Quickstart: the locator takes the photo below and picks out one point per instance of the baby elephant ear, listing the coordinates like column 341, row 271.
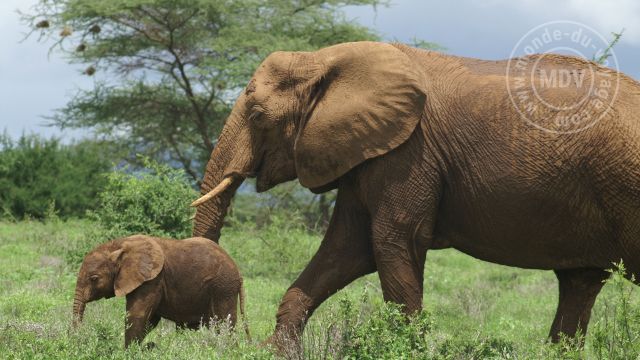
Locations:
column 141, row 259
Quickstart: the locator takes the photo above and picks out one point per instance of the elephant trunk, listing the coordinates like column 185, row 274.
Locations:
column 232, row 160
column 79, row 305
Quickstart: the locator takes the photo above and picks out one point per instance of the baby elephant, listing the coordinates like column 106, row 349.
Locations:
column 190, row 282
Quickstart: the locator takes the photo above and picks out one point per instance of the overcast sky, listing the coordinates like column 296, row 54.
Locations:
column 33, row 85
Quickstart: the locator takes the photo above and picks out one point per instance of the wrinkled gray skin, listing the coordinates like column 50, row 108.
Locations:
column 189, row 281
column 428, row 152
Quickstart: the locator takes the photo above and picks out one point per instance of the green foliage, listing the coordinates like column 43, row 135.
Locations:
column 70, row 245
column 174, row 66
column 426, row 45
column 603, row 57
column 513, row 307
column 617, row 334
column 385, row 333
column 475, row 348
column 288, row 200
column 169, row 70
column 284, row 246
column 154, row 202
column 40, row 177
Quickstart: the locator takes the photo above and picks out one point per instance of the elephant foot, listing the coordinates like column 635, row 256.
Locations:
column 150, row 346
column 284, row 345
column 292, row 314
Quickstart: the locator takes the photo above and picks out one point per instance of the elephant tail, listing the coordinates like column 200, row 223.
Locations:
column 245, row 324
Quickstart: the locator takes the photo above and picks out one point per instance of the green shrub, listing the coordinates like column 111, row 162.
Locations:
column 616, row 334
column 40, row 176
column 480, row 347
column 154, row 202
column 356, row 329
column 385, row 333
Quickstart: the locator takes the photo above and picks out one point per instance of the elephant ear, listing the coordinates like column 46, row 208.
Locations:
column 140, row 259
column 369, row 97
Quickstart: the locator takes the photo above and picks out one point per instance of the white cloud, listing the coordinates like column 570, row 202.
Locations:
column 604, row 16
column 610, row 16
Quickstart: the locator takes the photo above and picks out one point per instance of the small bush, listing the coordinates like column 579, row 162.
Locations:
column 354, row 330
column 616, row 335
column 154, row 202
column 386, row 333
column 479, row 347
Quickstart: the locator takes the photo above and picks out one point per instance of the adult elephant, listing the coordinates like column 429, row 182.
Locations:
column 428, row 151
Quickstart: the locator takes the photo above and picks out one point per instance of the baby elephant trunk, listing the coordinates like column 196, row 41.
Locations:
column 78, row 309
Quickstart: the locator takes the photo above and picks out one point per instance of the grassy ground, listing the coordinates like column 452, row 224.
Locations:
column 474, row 309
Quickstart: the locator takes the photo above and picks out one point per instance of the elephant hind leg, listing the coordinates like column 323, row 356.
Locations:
column 402, row 232
column 188, row 325
column 578, row 291
column 400, row 259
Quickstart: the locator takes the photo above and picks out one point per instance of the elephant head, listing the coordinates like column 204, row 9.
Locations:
column 116, row 269
column 312, row 116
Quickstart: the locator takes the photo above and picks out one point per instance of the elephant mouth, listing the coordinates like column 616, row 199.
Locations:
column 262, row 182
column 257, row 171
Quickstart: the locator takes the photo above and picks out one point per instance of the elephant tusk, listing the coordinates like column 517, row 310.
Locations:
column 213, row 193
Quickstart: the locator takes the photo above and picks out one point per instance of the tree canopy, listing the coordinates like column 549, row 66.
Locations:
column 167, row 71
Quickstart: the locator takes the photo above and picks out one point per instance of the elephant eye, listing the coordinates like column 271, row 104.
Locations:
column 257, row 108
column 256, row 113
column 254, row 116
column 94, row 277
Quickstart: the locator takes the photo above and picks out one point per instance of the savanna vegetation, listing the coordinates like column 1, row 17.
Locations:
column 167, row 72
column 39, row 176
column 473, row 309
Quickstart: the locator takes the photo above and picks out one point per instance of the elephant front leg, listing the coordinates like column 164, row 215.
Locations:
column 344, row 255
column 141, row 316
column 137, row 327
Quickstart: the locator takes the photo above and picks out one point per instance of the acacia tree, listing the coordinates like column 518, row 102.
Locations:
column 167, row 71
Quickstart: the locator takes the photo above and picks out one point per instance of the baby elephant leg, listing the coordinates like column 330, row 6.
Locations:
column 138, row 325
column 141, row 312
column 225, row 309
column 153, row 322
